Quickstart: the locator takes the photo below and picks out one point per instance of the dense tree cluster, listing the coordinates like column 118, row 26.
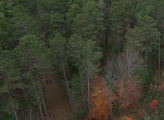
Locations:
column 121, row 41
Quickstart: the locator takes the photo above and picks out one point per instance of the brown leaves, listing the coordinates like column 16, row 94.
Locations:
column 161, row 87
column 100, row 100
column 129, row 91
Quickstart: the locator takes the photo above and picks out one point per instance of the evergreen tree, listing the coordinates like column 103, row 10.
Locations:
column 10, row 83
column 90, row 63
column 31, row 57
column 57, row 24
column 73, row 10
column 150, row 35
column 75, row 46
column 6, row 28
column 58, row 46
column 89, row 24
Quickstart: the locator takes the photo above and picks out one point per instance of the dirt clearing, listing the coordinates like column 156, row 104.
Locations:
column 58, row 107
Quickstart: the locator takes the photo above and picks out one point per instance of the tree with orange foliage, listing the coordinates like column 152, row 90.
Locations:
column 129, row 118
column 100, row 100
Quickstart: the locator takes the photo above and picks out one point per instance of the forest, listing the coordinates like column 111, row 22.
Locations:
column 106, row 55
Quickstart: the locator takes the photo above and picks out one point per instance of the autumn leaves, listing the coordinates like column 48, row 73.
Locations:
column 100, row 98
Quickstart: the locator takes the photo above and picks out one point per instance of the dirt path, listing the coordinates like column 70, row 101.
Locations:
column 57, row 106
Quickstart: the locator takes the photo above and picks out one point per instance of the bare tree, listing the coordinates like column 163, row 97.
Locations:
column 125, row 65
column 109, row 77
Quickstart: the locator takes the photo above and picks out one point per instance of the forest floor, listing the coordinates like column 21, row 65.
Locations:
column 56, row 101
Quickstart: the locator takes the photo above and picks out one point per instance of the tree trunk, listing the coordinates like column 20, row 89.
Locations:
column 43, row 100
column 141, row 49
column 67, row 67
column 123, row 29
column 118, row 43
column 159, row 56
column 40, row 108
column 110, row 105
column 74, row 104
column 88, row 97
column 82, row 89
column 28, row 103
column 67, row 85
column 16, row 117
column 146, row 56
column 123, row 96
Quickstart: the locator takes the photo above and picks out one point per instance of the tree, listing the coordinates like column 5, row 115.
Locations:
column 149, row 35
column 44, row 27
column 121, row 16
column 23, row 23
column 90, row 63
column 74, row 50
column 132, row 92
column 109, row 78
column 125, row 66
column 100, row 101
column 52, row 6
column 57, row 24
column 73, row 10
column 58, row 46
column 31, row 57
column 89, row 24
column 134, row 38
column 145, row 8
column 75, row 86
column 160, row 25
column 10, row 82
column 6, row 25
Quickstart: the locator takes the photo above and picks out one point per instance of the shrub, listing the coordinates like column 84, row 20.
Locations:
column 153, row 105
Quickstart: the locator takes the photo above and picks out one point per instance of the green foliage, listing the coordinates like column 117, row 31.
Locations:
column 89, row 24
column 23, row 22
column 133, row 37
column 52, row 6
column 6, row 28
column 76, row 97
column 145, row 8
column 78, row 2
column 150, row 34
column 75, row 46
column 145, row 77
column 57, row 24
column 91, row 57
column 73, row 10
column 7, row 116
column 6, row 8
column 154, row 116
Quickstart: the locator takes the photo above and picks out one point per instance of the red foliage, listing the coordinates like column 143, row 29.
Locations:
column 153, row 105
column 99, row 100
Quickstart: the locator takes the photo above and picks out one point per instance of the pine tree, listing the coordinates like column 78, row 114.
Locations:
column 10, row 82
column 90, row 63
column 57, row 24
column 31, row 57
column 150, row 35
column 73, row 10
column 58, row 47
column 75, row 46
column 89, row 24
